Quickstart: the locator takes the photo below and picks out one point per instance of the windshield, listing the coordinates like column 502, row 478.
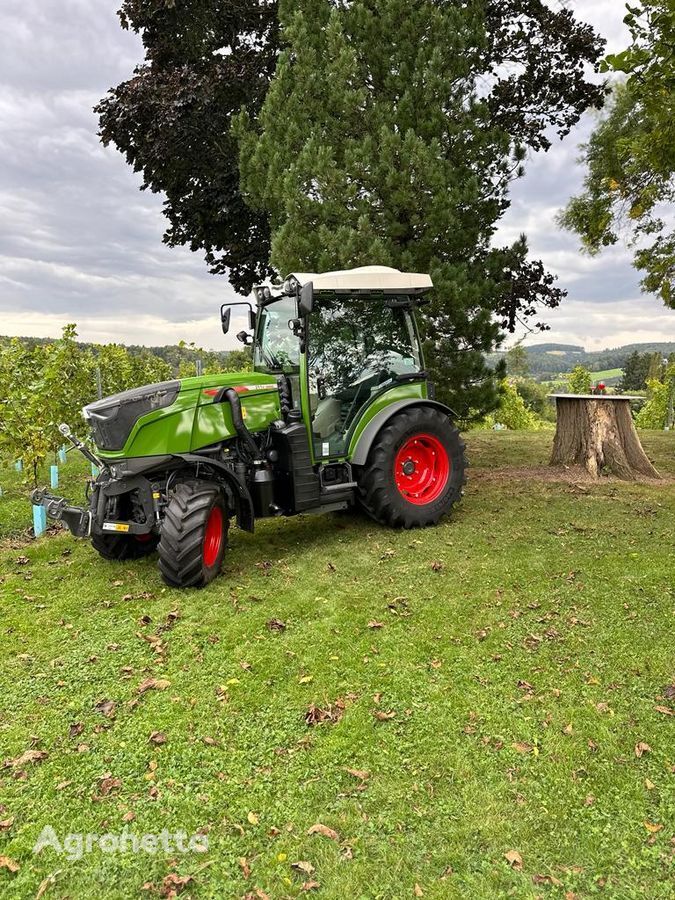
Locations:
column 277, row 349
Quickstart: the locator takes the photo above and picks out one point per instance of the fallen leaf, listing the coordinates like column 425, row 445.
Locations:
column 652, row 828
column 6, row 824
column 303, row 866
column 30, row 756
column 514, row 859
column 417, row 890
column 44, row 884
column 642, row 748
column 325, row 831
column 373, row 624
column 153, row 684
column 106, row 708
column 383, row 716
column 157, row 738
column 649, row 784
column 7, row 863
column 276, row 625
column 62, row 785
column 358, row 773
column 436, row 566
column 210, row 742
column 252, row 818
column 665, row 710
column 109, row 784
column 306, row 679
column 129, row 816
column 669, row 691
column 310, row 886
column 244, row 866
column 547, row 879
column 568, row 729
column 590, row 800
column 173, row 884
column 522, row 747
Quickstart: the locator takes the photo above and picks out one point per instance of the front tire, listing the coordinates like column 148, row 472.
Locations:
column 194, row 535
column 415, row 471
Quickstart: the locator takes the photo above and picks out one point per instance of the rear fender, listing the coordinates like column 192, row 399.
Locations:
column 360, row 455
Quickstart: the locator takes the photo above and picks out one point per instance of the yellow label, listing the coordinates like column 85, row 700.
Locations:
column 244, row 412
column 115, row 526
column 156, row 495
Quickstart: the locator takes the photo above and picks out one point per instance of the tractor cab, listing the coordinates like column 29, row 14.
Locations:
column 338, row 342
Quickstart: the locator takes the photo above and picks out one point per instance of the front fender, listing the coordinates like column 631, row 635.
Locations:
column 359, row 456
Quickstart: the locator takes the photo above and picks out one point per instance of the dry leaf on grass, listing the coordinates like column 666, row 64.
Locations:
column 665, row 710
column 6, row 824
column 382, row 716
column 547, row 879
column 358, row 773
column 10, row 864
column 157, row 738
column 522, row 747
column 153, row 684
column 30, row 756
column 325, row 831
column 303, row 866
column 244, row 866
column 173, row 884
column 514, row 859
column 641, row 748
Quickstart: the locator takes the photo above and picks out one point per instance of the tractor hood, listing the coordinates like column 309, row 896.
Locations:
column 178, row 416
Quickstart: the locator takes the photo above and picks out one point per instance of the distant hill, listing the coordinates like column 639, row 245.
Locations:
column 547, row 361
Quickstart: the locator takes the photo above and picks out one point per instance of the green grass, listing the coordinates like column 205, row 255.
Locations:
column 536, row 607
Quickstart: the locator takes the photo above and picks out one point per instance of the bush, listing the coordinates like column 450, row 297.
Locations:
column 580, row 381
column 512, row 411
column 654, row 413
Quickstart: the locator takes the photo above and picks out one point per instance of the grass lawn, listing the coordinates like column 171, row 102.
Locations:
column 495, row 697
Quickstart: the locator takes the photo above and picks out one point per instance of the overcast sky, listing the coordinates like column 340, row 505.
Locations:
column 80, row 243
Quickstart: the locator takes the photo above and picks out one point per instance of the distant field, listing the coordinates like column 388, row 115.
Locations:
column 611, row 377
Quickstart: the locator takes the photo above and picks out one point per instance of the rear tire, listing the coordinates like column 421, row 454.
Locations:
column 194, row 535
column 121, row 547
column 415, row 471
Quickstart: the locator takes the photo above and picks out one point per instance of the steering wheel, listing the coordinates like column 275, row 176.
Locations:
column 368, row 384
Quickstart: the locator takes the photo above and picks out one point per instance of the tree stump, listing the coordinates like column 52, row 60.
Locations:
column 597, row 432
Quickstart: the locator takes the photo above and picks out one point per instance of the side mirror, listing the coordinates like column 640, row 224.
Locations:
column 306, row 299
column 226, row 318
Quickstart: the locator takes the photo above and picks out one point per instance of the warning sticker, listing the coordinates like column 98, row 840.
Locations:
column 115, row 526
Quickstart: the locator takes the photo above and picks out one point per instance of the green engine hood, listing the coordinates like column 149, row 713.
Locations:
column 179, row 416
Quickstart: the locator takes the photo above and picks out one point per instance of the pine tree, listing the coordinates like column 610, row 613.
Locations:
column 390, row 134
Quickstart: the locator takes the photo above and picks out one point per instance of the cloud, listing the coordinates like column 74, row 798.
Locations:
column 80, row 243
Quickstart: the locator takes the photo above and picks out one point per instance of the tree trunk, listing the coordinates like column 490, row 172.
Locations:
column 598, row 433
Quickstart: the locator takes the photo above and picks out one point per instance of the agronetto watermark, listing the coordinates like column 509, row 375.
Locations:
column 75, row 846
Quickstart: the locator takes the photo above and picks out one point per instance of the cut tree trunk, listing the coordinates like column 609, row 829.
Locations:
column 598, row 433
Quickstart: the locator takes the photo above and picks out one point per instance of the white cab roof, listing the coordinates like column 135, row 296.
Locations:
column 366, row 278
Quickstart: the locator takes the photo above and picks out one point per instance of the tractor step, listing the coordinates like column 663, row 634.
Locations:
column 339, row 487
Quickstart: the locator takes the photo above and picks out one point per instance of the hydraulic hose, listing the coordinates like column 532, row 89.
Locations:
column 232, row 397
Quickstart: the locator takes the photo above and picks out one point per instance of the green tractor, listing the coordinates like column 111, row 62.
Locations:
column 337, row 412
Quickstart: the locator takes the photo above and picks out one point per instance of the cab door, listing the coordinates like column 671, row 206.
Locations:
column 358, row 347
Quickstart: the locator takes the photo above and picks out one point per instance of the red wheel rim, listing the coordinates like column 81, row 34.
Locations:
column 422, row 469
column 213, row 536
